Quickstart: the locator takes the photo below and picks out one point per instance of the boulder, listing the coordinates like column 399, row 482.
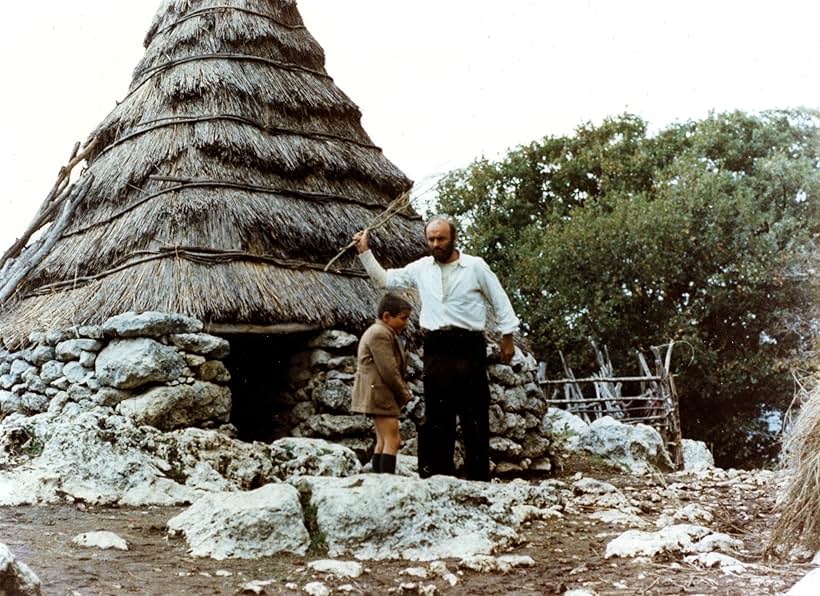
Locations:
column 51, row 370
column 214, row 371
column 15, row 576
column 244, row 525
column 40, row 355
column 71, row 349
column 294, row 456
column 421, row 520
column 202, row 344
column 34, row 402
column 696, row 455
column 333, row 339
column 679, row 538
column 149, row 324
column 333, row 394
column 130, row 363
column 638, row 449
column 207, row 458
column 100, row 539
column 567, row 428
column 10, row 403
column 76, row 373
column 168, row 408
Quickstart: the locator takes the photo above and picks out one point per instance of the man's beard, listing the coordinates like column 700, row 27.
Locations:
column 444, row 253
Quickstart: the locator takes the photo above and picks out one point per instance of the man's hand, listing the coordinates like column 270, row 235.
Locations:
column 360, row 238
column 507, row 348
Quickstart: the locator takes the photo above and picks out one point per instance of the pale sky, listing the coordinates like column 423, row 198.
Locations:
column 440, row 82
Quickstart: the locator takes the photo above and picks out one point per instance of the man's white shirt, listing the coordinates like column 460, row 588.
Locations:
column 452, row 294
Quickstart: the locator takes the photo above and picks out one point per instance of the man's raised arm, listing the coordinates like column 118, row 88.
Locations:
column 371, row 265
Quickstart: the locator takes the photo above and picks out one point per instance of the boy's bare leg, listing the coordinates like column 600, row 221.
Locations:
column 388, row 428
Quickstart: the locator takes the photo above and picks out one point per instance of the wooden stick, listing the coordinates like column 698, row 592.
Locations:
column 398, row 204
column 30, row 262
column 601, row 380
column 53, row 200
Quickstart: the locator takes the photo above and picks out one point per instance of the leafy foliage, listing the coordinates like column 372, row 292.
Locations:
column 704, row 233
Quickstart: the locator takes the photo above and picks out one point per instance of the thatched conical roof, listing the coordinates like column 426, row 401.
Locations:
column 232, row 171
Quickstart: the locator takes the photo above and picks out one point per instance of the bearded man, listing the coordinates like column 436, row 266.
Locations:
column 455, row 291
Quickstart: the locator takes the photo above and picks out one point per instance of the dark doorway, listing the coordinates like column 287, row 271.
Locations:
column 259, row 367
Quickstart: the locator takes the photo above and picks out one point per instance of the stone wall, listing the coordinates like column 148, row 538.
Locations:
column 155, row 368
column 321, row 380
column 161, row 370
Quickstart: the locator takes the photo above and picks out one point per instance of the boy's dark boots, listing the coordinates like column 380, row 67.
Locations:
column 388, row 464
column 376, row 463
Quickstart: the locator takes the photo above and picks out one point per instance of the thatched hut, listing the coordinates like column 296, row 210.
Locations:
column 219, row 188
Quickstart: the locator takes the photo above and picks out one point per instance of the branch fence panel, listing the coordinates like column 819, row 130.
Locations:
column 655, row 403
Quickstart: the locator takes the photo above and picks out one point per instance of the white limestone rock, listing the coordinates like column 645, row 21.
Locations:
column 692, row 513
column 100, row 539
column 130, row 363
column 421, row 520
column 809, row 585
column 299, row 456
column 337, row 568
column 333, row 339
column 72, row 349
column 696, row 455
column 149, row 324
column 491, row 564
column 679, row 538
column 244, row 525
column 169, row 408
column 330, row 425
column 567, row 429
column 638, row 449
column 202, row 344
column 51, row 370
column 196, row 455
column 16, row 578
column 316, row 589
column 10, row 403
column 725, row 563
column 333, row 394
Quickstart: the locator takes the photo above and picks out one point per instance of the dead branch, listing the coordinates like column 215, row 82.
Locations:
column 55, row 198
column 26, row 263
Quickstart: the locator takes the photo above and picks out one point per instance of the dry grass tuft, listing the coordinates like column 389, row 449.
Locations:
column 799, row 522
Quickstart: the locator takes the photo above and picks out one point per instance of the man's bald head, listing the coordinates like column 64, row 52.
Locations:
column 445, row 220
column 441, row 238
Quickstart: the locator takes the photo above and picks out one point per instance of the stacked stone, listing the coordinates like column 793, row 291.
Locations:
column 321, row 384
column 156, row 368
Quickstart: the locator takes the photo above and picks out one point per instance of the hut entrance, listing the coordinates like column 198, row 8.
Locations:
column 259, row 375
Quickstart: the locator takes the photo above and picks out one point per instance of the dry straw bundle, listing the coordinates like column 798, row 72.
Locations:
column 799, row 522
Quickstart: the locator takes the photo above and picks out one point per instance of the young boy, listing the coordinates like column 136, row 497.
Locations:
column 379, row 389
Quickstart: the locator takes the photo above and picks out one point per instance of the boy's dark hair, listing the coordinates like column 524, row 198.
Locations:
column 393, row 304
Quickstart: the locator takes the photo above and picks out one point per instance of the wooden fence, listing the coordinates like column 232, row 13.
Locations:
column 649, row 398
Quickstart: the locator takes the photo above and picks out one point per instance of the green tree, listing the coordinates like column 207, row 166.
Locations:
column 703, row 233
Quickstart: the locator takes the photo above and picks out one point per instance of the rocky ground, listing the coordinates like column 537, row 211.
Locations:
column 556, row 555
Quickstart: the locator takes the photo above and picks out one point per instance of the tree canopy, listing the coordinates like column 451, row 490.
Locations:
column 704, row 233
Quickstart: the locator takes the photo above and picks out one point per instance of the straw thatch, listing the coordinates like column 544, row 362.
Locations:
column 229, row 175
column 799, row 504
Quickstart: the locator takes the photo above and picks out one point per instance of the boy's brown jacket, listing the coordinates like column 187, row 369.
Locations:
column 379, row 387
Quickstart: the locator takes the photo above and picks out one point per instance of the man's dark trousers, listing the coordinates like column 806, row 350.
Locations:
column 455, row 385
